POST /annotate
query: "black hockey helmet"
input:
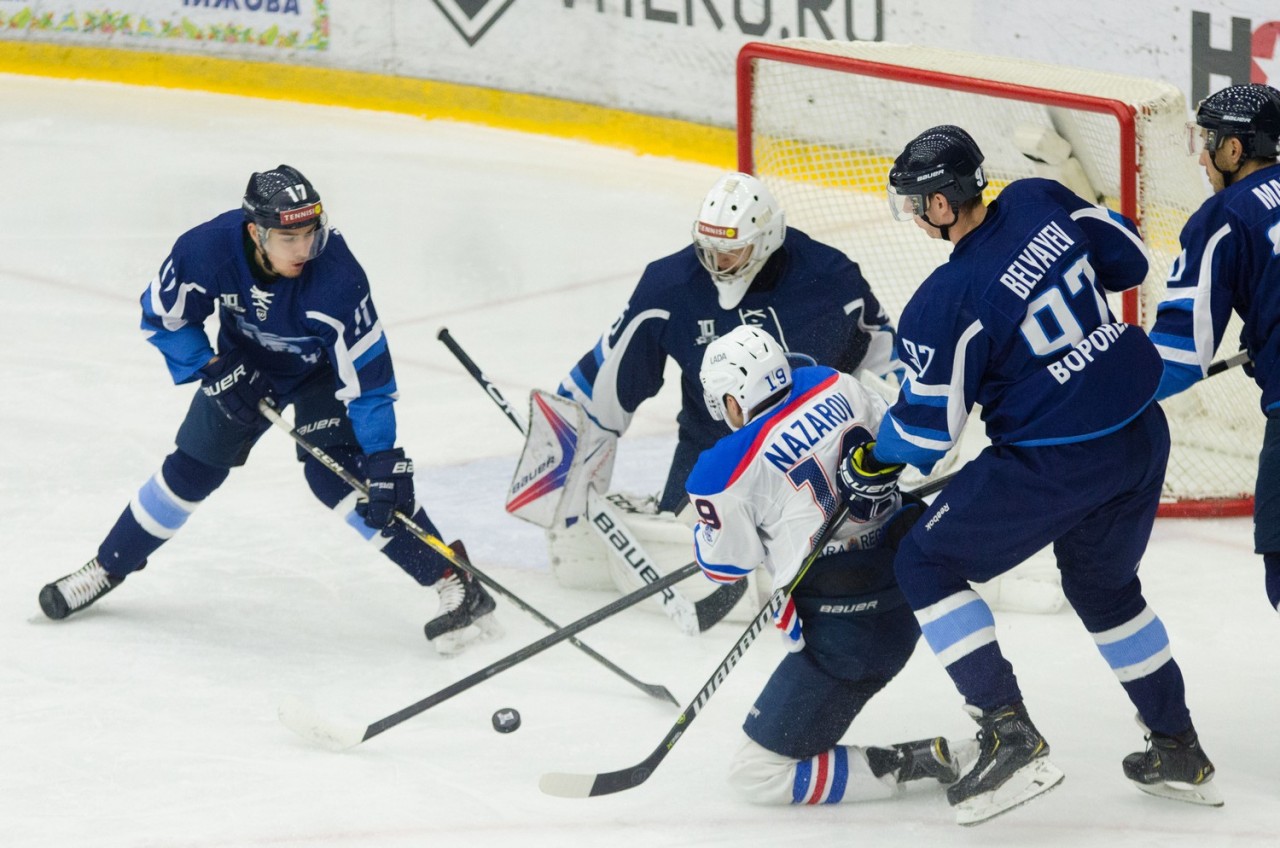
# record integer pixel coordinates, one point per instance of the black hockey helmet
(943, 159)
(283, 199)
(1249, 112)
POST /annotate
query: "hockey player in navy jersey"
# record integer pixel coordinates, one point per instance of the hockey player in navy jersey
(762, 495)
(1017, 320)
(745, 266)
(296, 325)
(1231, 260)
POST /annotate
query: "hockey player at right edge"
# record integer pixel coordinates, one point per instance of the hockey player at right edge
(763, 494)
(1017, 320)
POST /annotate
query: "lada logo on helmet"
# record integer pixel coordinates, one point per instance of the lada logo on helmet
(297, 216)
(717, 357)
(717, 232)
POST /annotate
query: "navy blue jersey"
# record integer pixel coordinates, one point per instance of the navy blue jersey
(288, 328)
(1017, 321)
(1230, 260)
(809, 296)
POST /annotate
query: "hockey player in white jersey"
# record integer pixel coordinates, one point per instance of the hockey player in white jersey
(763, 494)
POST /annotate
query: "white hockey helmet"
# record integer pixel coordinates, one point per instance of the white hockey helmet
(748, 364)
(738, 228)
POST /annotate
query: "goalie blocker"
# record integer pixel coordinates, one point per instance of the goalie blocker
(602, 541)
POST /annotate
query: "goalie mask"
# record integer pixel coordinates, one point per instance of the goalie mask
(1250, 113)
(738, 228)
(283, 199)
(749, 365)
(943, 160)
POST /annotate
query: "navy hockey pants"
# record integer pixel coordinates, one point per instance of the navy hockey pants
(1095, 502)
(858, 634)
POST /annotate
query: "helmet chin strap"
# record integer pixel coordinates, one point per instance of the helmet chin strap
(1228, 177)
(945, 229)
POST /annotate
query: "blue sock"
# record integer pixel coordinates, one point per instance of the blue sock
(409, 552)
(158, 511)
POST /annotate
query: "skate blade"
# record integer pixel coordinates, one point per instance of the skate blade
(1206, 794)
(484, 629)
(1033, 779)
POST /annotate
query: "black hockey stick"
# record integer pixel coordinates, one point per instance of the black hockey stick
(306, 722)
(590, 785)
(485, 383)
(1230, 362)
(268, 410)
(710, 609)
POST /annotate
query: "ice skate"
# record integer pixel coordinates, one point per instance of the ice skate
(1012, 767)
(909, 761)
(466, 611)
(77, 590)
(1174, 767)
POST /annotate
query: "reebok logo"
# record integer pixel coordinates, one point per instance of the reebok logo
(946, 507)
(472, 18)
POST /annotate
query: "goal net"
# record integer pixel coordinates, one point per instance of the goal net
(821, 122)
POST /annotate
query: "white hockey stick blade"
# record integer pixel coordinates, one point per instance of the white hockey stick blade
(1028, 782)
(561, 785)
(304, 720)
(1206, 793)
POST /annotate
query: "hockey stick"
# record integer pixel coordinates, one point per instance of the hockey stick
(272, 415)
(707, 611)
(485, 383)
(565, 785)
(1230, 362)
(306, 722)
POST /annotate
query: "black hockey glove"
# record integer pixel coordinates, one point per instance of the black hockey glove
(236, 386)
(390, 477)
(866, 482)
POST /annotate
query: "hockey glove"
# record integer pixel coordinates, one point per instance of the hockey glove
(235, 386)
(864, 480)
(390, 477)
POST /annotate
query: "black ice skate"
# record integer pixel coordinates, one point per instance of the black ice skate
(915, 761)
(463, 603)
(1012, 768)
(1174, 767)
(77, 590)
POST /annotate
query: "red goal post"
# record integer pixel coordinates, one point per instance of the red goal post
(821, 121)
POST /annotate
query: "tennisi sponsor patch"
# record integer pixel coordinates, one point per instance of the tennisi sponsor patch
(296, 216)
(717, 232)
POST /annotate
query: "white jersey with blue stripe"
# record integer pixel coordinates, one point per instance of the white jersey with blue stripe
(1017, 320)
(1230, 260)
(765, 493)
(288, 328)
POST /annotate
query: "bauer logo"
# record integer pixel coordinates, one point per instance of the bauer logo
(1240, 49)
(472, 18)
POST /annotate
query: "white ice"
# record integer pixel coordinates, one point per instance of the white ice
(150, 720)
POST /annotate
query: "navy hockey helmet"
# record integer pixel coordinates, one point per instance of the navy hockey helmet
(283, 199)
(943, 159)
(1249, 112)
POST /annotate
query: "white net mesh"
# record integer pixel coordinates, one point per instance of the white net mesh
(823, 138)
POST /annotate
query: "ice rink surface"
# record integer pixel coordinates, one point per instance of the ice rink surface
(150, 720)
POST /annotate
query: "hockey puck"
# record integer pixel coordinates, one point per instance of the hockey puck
(506, 720)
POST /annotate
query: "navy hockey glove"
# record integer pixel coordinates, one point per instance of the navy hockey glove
(390, 489)
(235, 386)
(864, 480)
